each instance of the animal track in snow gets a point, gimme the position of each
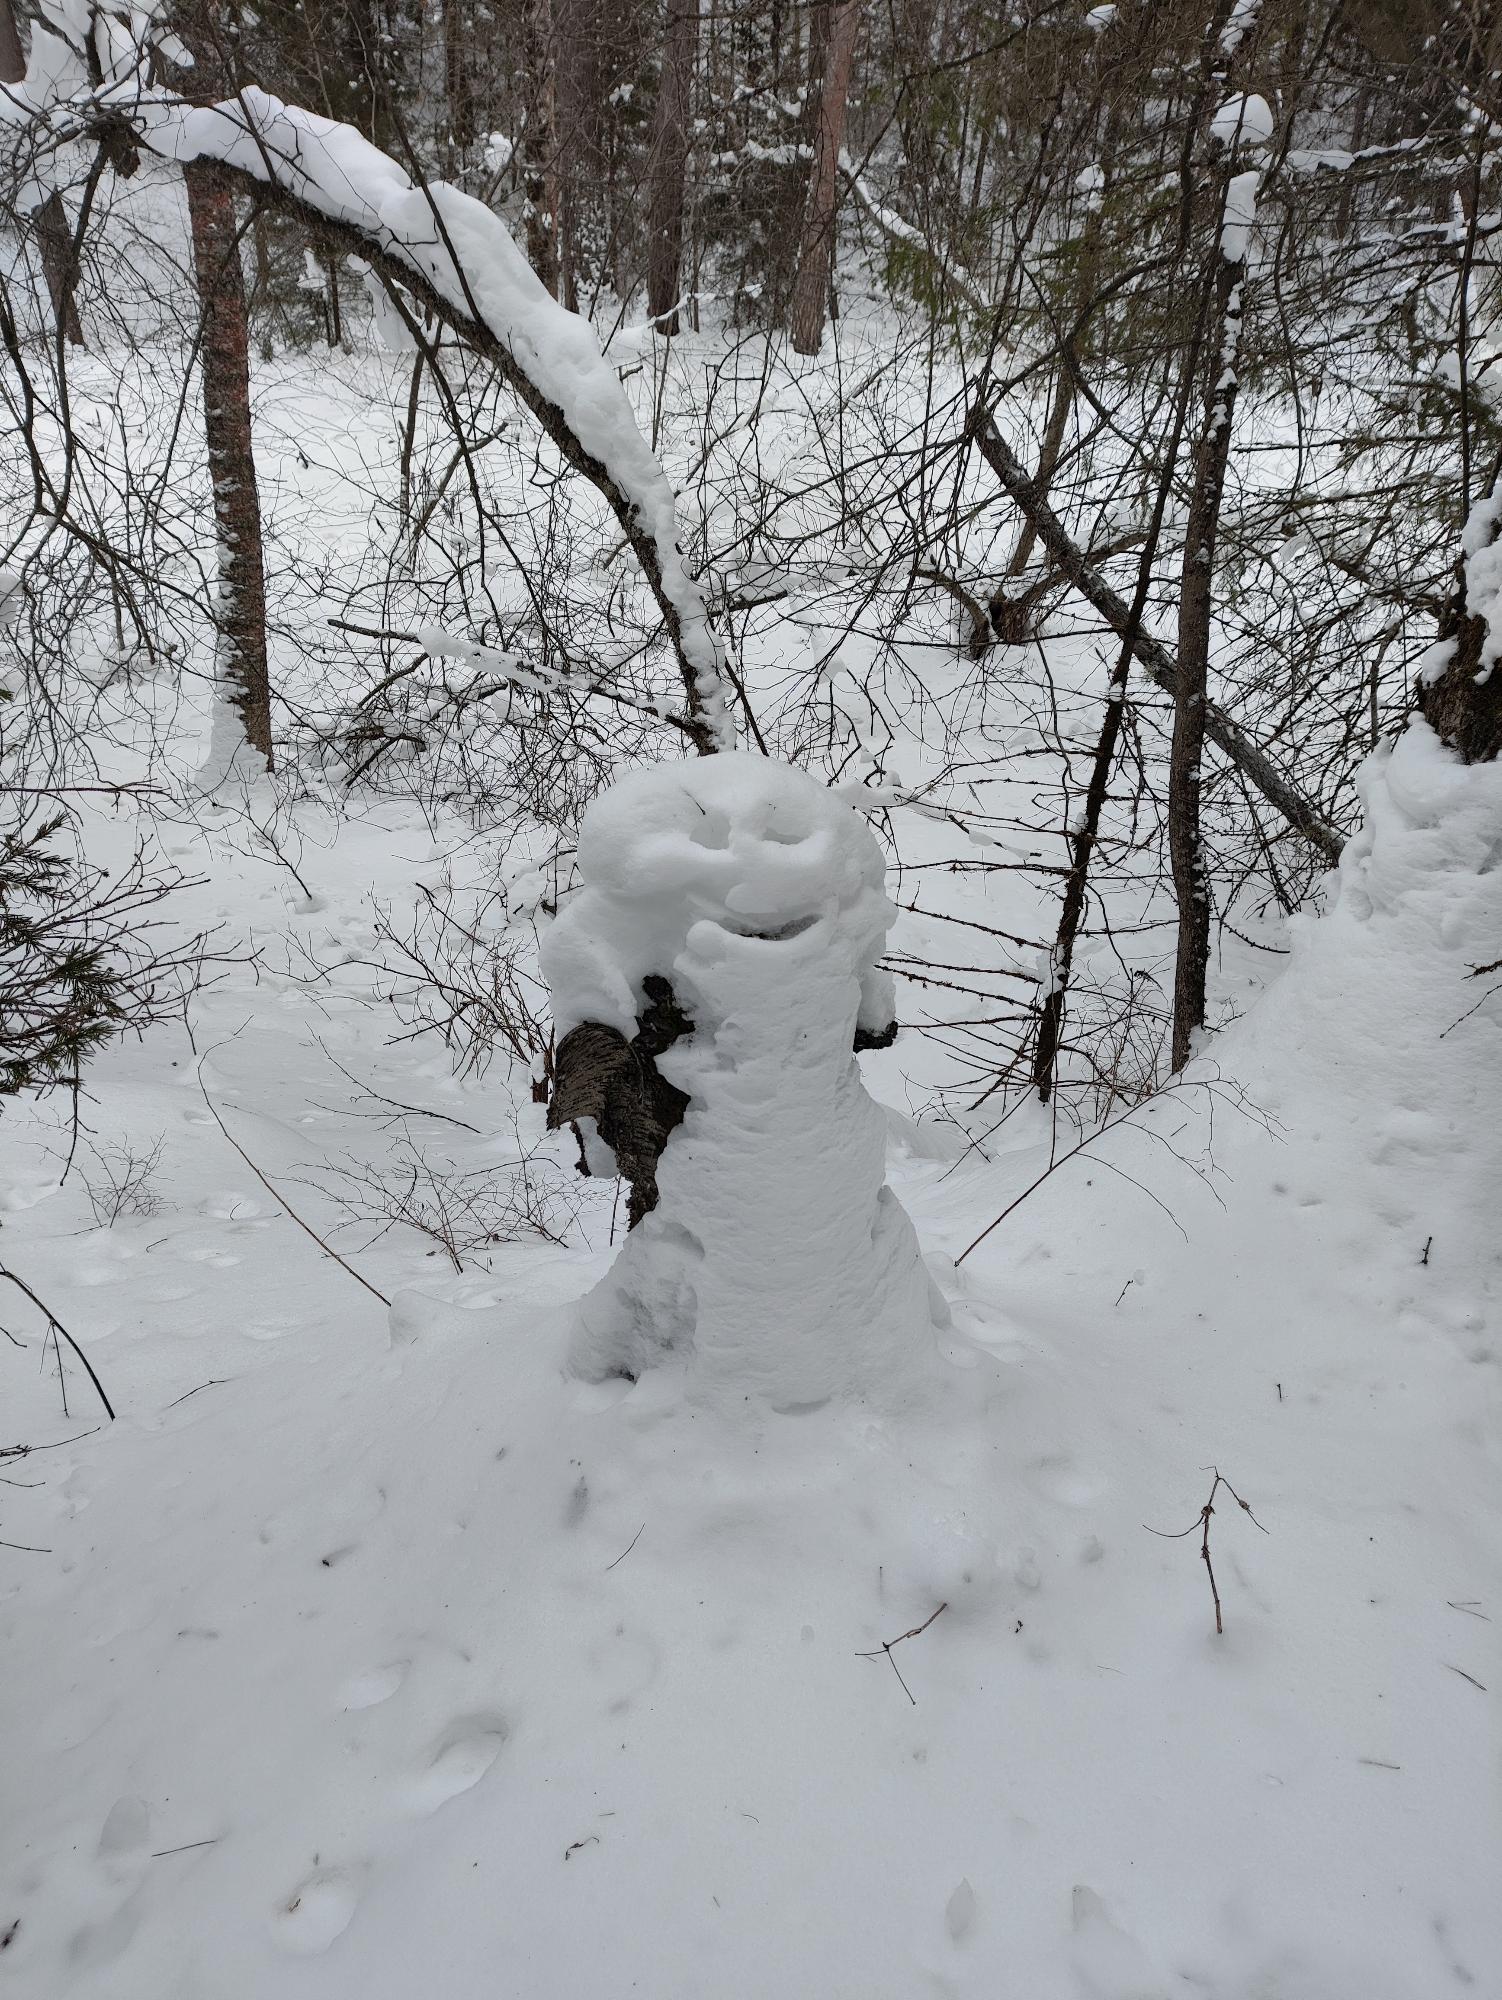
(317, 1911)
(459, 1759)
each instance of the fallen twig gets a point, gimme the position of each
(1465, 1676)
(628, 1548)
(887, 1645)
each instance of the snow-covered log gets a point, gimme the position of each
(776, 1262)
(448, 250)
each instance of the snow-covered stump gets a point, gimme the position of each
(776, 1261)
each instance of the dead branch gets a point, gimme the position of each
(1203, 1524)
(1158, 662)
(887, 1645)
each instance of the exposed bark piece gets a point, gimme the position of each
(1463, 704)
(875, 1038)
(1155, 657)
(816, 254)
(601, 1075)
(598, 1074)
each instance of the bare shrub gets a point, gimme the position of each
(121, 1183)
(465, 1211)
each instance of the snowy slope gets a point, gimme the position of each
(374, 1655)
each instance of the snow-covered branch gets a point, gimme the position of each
(437, 243)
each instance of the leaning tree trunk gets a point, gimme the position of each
(669, 161)
(50, 221)
(816, 253)
(225, 362)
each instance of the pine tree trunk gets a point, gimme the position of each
(50, 221)
(225, 361)
(669, 161)
(816, 252)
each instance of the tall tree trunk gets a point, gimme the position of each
(457, 78)
(816, 252)
(1086, 829)
(1191, 877)
(540, 144)
(224, 357)
(669, 160)
(50, 221)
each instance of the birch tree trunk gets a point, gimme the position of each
(816, 252)
(669, 160)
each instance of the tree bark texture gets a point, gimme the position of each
(1463, 705)
(224, 357)
(1186, 848)
(540, 145)
(669, 160)
(816, 251)
(50, 221)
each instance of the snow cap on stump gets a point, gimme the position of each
(777, 1262)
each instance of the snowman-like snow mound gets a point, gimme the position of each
(777, 1262)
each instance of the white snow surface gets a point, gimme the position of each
(1240, 215)
(777, 1264)
(375, 1654)
(1481, 546)
(1244, 118)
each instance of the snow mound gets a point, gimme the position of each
(777, 1258)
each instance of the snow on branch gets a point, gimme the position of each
(438, 243)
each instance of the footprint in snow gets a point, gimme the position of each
(317, 1911)
(368, 1689)
(120, 1863)
(459, 1760)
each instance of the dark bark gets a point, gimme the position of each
(598, 1074)
(457, 78)
(669, 161)
(50, 221)
(816, 251)
(1462, 707)
(540, 145)
(224, 357)
(1186, 847)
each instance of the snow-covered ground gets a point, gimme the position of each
(371, 1652)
